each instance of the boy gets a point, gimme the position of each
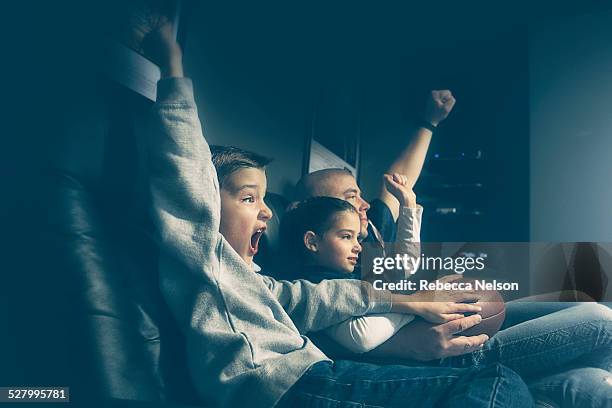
(245, 331)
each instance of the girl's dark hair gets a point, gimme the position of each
(313, 214)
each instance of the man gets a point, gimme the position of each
(407, 166)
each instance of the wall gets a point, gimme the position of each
(259, 69)
(252, 85)
(488, 76)
(571, 127)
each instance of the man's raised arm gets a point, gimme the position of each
(411, 159)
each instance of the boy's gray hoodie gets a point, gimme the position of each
(244, 331)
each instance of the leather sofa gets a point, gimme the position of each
(124, 348)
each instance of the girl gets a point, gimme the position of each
(320, 239)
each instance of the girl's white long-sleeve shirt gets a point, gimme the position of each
(364, 333)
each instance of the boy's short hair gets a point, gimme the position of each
(228, 159)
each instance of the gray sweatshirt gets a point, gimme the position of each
(244, 331)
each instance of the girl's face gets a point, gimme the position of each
(338, 248)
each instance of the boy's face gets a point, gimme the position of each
(339, 248)
(243, 212)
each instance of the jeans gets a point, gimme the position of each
(563, 351)
(356, 384)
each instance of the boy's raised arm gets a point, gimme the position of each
(183, 181)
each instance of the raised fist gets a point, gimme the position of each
(397, 185)
(161, 47)
(439, 105)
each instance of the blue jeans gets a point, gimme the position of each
(356, 384)
(563, 351)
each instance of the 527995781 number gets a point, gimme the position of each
(32, 394)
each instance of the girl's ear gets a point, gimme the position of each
(311, 241)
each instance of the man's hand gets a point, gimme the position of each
(162, 48)
(439, 105)
(397, 185)
(425, 341)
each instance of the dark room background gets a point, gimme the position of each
(523, 156)
(260, 70)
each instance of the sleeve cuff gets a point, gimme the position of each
(175, 90)
(412, 211)
(379, 300)
(409, 224)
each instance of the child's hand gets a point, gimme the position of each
(437, 306)
(396, 184)
(161, 46)
(442, 312)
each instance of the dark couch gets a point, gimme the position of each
(124, 347)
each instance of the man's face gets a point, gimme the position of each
(339, 247)
(243, 212)
(344, 186)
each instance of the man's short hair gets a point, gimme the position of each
(311, 184)
(228, 159)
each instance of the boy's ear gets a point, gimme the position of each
(311, 241)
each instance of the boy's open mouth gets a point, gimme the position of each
(255, 239)
(353, 260)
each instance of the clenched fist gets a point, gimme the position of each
(439, 105)
(397, 185)
(160, 46)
